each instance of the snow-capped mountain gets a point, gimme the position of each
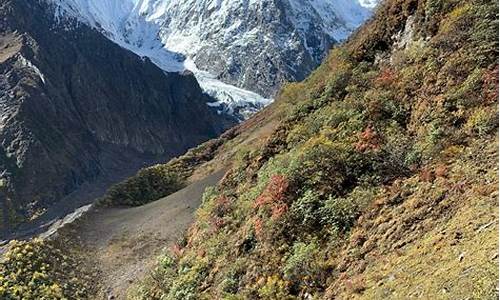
(241, 51)
(79, 113)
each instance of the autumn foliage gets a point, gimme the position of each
(274, 196)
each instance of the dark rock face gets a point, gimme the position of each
(260, 65)
(257, 45)
(75, 107)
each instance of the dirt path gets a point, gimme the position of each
(124, 242)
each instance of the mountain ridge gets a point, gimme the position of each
(284, 40)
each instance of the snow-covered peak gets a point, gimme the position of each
(109, 15)
(232, 46)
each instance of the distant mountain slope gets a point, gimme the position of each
(256, 44)
(233, 47)
(75, 106)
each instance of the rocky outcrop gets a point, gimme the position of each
(75, 107)
(256, 45)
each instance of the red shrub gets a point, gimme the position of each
(258, 225)
(427, 175)
(368, 140)
(274, 196)
(441, 171)
(386, 77)
(275, 192)
(278, 210)
(176, 250)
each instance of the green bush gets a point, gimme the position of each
(275, 288)
(301, 265)
(191, 272)
(148, 185)
(305, 210)
(37, 270)
(482, 122)
(340, 213)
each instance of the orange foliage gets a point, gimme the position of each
(386, 77)
(441, 171)
(275, 191)
(278, 210)
(177, 250)
(274, 196)
(258, 227)
(427, 175)
(368, 140)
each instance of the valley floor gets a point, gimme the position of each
(122, 244)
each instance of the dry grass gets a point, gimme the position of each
(440, 242)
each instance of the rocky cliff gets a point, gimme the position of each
(241, 52)
(75, 107)
(257, 45)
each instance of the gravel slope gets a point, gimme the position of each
(122, 243)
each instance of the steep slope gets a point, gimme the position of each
(257, 45)
(374, 178)
(380, 182)
(77, 108)
(228, 45)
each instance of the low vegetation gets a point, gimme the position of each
(40, 270)
(380, 181)
(158, 181)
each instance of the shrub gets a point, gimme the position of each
(274, 197)
(190, 274)
(340, 214)
(275, 288)
(231, 279)
(37, 270)
(148, 185)
(482, 121)
(327, 167)
(301, 265)
(466, 94)
(305, 210)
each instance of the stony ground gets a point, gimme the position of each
(122, 243)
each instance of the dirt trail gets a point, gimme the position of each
(124, 242)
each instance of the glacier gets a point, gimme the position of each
(193, 35)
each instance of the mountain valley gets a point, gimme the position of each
(371, 174)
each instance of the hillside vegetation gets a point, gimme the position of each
(379, 181)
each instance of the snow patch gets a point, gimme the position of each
(135, 25)
(27, 63)
(371, 4)
(68, 219)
